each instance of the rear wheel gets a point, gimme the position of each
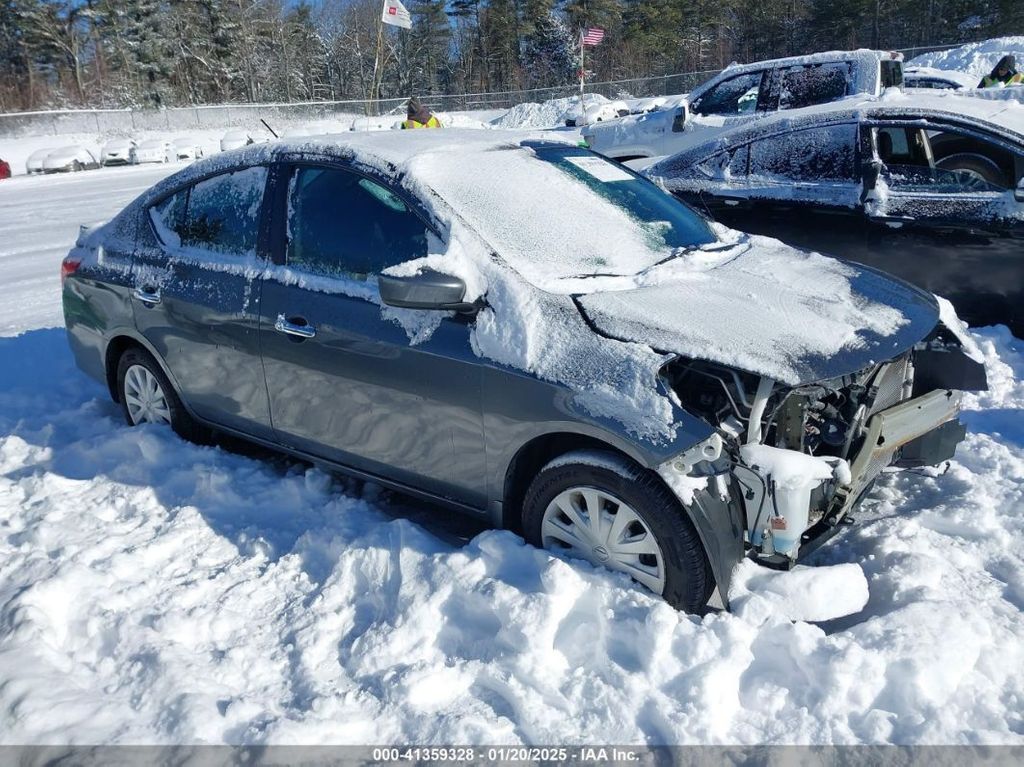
(147, 396)
(976, 166)
(605, 509)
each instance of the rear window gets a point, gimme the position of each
(219, 214)
(558, 212)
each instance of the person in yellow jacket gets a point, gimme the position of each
(418, 116)
(1005, 73)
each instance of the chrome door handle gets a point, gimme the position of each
(151, 297)
(302, 331)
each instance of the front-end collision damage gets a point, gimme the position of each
(787, 464)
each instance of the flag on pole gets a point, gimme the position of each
(593, 36)
(396, 14)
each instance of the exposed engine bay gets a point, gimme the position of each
(801, 457)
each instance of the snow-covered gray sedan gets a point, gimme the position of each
(526, 332)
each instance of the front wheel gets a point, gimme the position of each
(147, 396)
(607, 510)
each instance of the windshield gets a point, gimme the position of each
(555, 212)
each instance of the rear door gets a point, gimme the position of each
(393, 393)
(196, 295)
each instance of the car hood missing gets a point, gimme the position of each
(771, 310)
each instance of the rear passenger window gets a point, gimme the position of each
(341, 224)
(220, 214)
(815, 154)
(223, 212)
(805, 86)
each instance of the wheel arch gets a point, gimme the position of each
(117, 345)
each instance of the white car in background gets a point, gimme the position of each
(117, 151)
(34, 163)
(938, 79)
(741, 93)
(153, 150)
(69, 159)
(187, 148)
(239, 137)
(595, 110)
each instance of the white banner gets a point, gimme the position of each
(396, 14)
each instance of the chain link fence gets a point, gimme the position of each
(129, 121)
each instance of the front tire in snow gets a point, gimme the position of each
(606, 509)
(147, 396)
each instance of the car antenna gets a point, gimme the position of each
(272, 132)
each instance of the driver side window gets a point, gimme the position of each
(341, 224)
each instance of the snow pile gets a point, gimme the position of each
(549, 114)
(153, 591)
(976, 59)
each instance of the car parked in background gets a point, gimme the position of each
(742, 93)
(34, 163)
(236, 138)
(5, 169)
(599, 378)
(69, 159)
(117, 151)
(187, 148)
(937, 79)
(928, 188)
(153, 150)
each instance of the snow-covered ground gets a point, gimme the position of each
(154, 591)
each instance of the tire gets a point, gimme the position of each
(975, 164)
(136, 367)
(680, 565)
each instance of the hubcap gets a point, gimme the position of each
(600, 528)
(145, 397)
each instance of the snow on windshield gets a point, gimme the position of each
(563, 212)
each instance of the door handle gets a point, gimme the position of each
(302, 331)
(150, 296)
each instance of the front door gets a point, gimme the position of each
(394, 393)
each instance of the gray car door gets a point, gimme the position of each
(196, 295)
(392, 394)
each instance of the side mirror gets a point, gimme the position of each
(426, 290)
(1018, 193)
(679, 120)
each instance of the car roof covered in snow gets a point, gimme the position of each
(1003, 117)
(963, 79)
(388, 152)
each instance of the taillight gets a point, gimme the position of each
(68, 267)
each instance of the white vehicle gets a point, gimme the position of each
(153, 150)
(745, 92)
(595, 108)
(34, 163)
(937, 79)
(69, 158)
(187, 148)
(237, 138)
(117, 151)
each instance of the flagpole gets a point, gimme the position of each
(583, 68)
(376, 59)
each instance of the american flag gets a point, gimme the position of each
(593, 36)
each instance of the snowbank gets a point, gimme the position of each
(976, 59)
(549, 114)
